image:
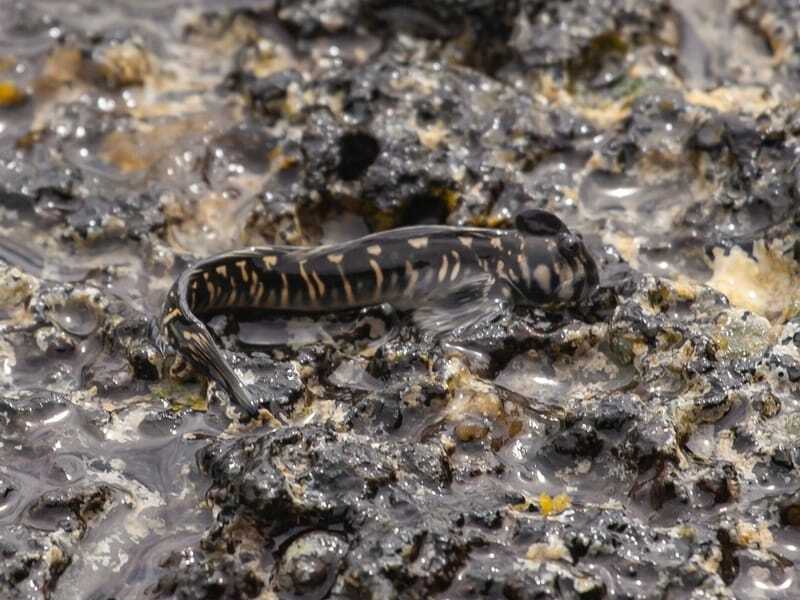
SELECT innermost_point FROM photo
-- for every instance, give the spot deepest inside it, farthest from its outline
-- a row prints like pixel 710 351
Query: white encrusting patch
pixel 376 268
pixel 418 243
pixel 374 250
pixel 542 277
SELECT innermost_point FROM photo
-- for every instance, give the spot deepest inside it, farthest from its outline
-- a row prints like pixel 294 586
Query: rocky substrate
pixel 643 445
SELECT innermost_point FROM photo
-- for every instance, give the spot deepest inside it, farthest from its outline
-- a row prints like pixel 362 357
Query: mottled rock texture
pixel 642 446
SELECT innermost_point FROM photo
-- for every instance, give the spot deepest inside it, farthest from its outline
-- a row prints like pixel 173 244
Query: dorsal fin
pixel 540 222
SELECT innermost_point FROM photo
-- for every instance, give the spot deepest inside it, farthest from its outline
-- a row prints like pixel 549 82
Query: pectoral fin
pixel 473 300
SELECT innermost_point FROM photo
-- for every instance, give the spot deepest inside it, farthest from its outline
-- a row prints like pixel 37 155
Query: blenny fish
pixel 441 268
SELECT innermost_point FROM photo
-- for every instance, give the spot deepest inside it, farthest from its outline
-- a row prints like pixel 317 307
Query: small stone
pixel 470 430
pixel 310 563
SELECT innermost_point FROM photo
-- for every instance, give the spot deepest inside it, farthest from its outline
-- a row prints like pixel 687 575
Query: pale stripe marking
pixel 412 275
pixel 376 268
pixel 456 266
pixel 319 283
pixel 269 261
pixel 242 264
pixel 443 268
pixel 284 291
pixel 312 292
pixel 348 289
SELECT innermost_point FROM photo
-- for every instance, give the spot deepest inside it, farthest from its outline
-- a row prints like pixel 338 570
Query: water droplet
pixel 75 317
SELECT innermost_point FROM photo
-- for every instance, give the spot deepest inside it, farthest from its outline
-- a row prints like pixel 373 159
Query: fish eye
pixel 569 244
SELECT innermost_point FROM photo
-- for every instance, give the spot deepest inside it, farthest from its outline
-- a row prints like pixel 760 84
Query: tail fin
pixel 190 336
pixel 214 363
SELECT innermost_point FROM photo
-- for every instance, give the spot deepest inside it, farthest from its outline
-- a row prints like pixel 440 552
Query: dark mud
pixel 642 446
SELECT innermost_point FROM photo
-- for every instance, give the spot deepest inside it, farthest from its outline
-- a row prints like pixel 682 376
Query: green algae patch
pixel 179 398
pixel 740 334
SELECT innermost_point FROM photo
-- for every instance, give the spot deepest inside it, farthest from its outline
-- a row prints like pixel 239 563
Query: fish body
pixel 539 263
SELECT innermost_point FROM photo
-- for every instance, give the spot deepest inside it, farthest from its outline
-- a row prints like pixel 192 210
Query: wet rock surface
pixel 644 445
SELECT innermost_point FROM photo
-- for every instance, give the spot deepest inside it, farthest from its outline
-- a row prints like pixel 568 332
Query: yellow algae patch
pixel 450 197
pixel 124 65
pixel 10 94
pixel 469 396
pixel 61 69
pixel 553 505
pixel 684 288
pixel 750 535
pixel 548 505
pixel 126 152
pixel 601 112
pixel 268 58
pixel 139 150
pixel 767 284
pixel 608 114
pixel 750 99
